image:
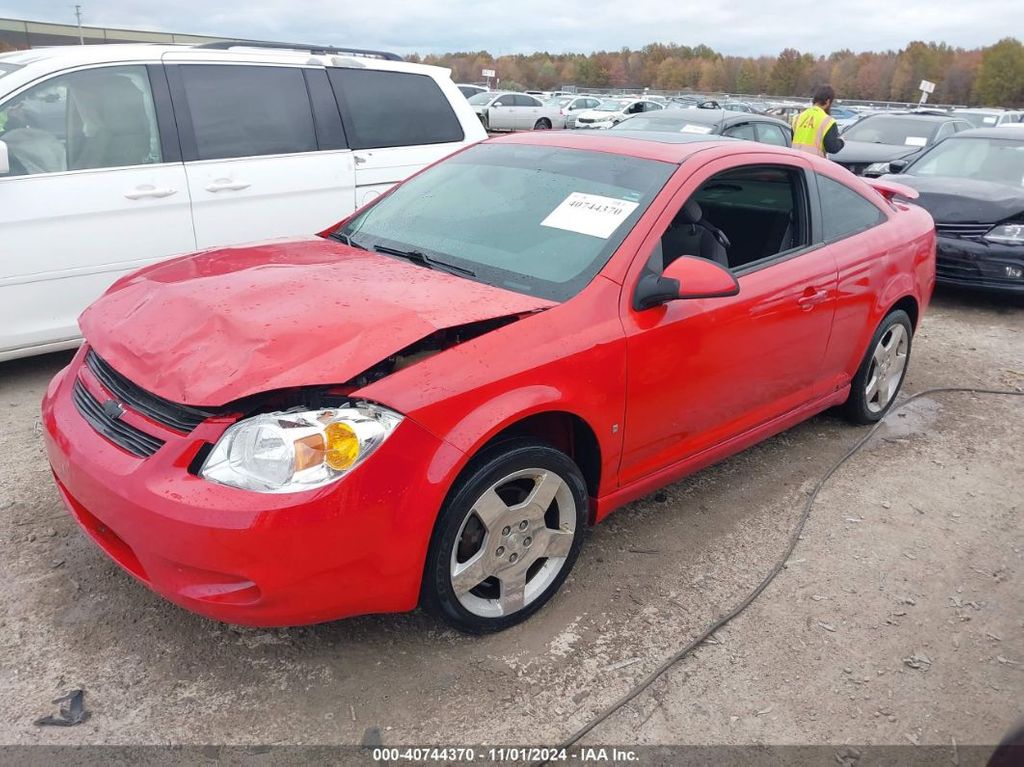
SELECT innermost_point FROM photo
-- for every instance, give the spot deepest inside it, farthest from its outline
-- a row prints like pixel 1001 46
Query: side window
pixel 386 109
pixel 843 211
pixel 505 101
pixel 744 131
pixel 95 118
pixel 945 131
pixel 738 218
pixel 767 133
pixel 526 101
pixel 247 111
pixel 653 106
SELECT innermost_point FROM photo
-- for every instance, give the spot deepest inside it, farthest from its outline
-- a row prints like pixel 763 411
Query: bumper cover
pixel 978 264
pixel 357 546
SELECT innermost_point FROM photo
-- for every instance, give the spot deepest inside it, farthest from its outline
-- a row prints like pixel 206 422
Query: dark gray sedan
pixel 716 122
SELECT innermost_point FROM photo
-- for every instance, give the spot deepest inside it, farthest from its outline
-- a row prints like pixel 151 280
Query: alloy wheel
pixel 888 361
pixel 513 543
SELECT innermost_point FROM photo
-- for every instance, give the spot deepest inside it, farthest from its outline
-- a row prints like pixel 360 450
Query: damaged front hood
pixel 207 329
pixel 963 200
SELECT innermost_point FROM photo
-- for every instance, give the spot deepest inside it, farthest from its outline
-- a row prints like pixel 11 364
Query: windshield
pixel 482 98
pixel 905 131
pixel 611 105
pixel 536 220
pixel 979 119
pixel 982 159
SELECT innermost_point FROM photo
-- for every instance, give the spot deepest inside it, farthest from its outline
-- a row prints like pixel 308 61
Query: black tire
pixel 542 124
pixel 507 458
pixel 859 407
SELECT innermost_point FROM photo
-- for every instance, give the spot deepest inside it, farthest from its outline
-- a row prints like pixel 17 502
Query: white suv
pixel 116 156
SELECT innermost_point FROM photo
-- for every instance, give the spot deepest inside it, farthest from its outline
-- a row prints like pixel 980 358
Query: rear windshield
pixel 536 220
pixel 482 98
pixel 904 131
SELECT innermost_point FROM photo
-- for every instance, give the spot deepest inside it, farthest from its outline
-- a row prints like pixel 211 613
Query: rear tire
pixel 506 538
pixel 542 124
pixel 882 370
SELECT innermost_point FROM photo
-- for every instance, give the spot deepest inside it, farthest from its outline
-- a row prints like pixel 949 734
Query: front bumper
pixel 978 264
pixel 357 546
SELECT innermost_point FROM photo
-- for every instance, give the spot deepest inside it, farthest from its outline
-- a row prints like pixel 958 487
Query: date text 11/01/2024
pixel 504 754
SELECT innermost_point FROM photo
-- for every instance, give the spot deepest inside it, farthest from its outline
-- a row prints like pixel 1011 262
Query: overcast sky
pixel 745 27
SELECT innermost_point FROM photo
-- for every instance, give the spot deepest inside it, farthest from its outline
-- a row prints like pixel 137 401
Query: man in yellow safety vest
pixel 815 130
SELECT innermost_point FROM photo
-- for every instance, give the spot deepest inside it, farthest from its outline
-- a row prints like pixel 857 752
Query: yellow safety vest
pixel 809 130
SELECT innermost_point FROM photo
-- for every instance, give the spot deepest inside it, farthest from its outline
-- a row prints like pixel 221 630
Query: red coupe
pixel 432 401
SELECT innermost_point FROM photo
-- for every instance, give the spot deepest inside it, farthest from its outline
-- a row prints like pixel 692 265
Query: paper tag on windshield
pixel 916 141
pixel 695 129
pixel 590 214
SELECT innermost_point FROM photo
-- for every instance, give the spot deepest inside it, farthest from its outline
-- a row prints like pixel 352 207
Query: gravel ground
pixel 899 618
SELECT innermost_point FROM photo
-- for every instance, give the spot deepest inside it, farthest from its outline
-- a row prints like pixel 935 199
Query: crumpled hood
pixel 210 328
pixel 865 151
pixel 963 200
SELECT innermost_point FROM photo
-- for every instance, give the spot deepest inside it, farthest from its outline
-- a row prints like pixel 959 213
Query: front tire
pixel 507 537
pixel 882 370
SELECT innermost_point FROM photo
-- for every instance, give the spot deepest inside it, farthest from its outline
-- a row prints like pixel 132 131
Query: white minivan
pixel 113 157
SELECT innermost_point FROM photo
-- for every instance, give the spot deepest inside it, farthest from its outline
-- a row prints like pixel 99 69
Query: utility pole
pixel 78 15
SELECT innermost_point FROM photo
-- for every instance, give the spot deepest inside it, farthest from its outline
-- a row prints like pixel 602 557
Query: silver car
pixel 569 107
pixel 515 111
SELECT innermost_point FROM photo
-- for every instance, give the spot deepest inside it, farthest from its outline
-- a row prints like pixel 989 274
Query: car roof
pixel 65 56
pixel 664 147
pixel 1003 131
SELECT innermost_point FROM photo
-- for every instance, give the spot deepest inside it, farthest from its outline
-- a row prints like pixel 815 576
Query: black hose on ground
pixel 794 538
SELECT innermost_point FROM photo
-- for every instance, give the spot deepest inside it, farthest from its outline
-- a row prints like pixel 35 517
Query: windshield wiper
pixel 421 258
pixel 342 237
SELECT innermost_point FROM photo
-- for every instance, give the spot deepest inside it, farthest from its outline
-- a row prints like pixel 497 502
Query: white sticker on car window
pixel 688 128
pixel 590 214
pixel 916 141
pixel 988 120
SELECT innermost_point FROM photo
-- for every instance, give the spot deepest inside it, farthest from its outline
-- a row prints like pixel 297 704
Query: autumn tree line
pixel 992 76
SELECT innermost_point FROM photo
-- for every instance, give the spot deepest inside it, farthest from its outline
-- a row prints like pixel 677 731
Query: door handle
pixel 147 190
pixel 227 185
pixel 812 297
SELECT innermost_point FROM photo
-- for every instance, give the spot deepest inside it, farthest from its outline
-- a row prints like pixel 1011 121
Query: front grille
pixel 963 231
pixel 122 434
pixel 170 414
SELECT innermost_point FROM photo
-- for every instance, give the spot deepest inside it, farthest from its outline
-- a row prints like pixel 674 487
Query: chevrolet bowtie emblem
pixel 113 409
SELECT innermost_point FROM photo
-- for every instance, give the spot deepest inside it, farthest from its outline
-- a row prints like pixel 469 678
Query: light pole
pixel 78 16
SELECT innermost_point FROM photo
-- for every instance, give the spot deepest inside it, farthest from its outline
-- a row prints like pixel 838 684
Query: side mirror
pixel 686 277
pixel 898 166
pixel 5 162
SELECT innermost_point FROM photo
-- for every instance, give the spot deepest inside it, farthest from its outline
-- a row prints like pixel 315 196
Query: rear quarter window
pixel 845 212
pixel 389 109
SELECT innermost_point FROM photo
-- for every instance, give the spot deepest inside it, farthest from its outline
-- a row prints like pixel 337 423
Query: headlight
pixel 288 452
pixel 878 167
pixel 1006 234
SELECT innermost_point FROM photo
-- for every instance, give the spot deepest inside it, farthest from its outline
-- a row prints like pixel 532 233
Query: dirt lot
pixel 899 619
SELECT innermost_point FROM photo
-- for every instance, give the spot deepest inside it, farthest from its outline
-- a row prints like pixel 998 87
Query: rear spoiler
pixel 889 189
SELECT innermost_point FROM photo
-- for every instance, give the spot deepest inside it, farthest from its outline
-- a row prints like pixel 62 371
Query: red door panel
pixel 702 371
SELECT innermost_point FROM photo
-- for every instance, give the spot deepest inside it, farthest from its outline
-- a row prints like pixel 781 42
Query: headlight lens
pixel 877 167
pixel 1006 234
pixel 287 452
